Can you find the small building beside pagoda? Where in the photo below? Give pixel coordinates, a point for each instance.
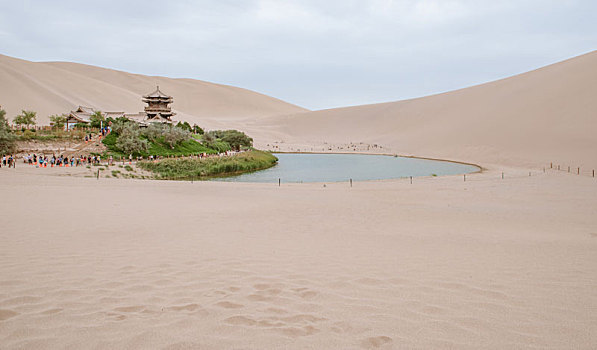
(158, 110)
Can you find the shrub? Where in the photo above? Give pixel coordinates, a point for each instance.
(176, 136)
(28, 134)
(121, 123)
(185, 168)
(236, 139)
(7, 138)
(154, 131)
(129, 140)
(172, 136)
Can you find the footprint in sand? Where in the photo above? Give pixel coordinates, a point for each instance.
(258, 297)
(298, 331)
(6, 314)
(241, 321)
(229, 305)
(376, 342)
(135, 308)
(189, 307)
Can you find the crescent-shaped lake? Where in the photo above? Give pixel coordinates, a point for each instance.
(302, 167)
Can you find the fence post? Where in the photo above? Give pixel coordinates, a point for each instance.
(279, 182)
(593, 172)
(578, 171)
(411, 180)
(551, 165)
(350, 182)
(464, 177)
(97, 174)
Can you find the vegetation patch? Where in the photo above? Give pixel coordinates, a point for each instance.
(127, 138)
(189, 169)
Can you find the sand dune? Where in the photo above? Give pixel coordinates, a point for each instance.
(58, 87)
(531, 119)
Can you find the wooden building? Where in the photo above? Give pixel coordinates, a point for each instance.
(156, 111)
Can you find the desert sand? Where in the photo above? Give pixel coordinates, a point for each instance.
(532, 119)
(59, 87)
(489, 263)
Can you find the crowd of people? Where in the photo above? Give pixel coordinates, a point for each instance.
(43, 161)
(8, 161)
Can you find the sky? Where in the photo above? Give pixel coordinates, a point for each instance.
(313, 53)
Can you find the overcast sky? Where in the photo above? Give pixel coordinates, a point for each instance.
(314, 53)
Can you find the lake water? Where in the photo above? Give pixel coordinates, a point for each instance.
(293, 167)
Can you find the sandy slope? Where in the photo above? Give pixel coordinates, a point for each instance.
(486, 264)
(547, 115)
(57, 87)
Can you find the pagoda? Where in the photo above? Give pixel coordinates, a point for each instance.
(157, 109)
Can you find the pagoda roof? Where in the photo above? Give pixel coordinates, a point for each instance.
(157, 94)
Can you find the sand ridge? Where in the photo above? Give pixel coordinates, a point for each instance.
(532, 119)
(59, 87)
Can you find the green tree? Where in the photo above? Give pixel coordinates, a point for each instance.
(184, 126)
(97, 119)
(129, 139)
(210, 140)
(58, 121)
(236, 139)
(197, 129)
(176, 136)
(154, 131)
(120, 123)
(26, 118)
(8, 142)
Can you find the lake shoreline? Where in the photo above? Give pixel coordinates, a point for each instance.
(481, 168)
(326, 170)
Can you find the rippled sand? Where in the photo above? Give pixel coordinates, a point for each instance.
(113, 263)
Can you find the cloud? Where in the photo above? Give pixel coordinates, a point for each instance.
(314, 53)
